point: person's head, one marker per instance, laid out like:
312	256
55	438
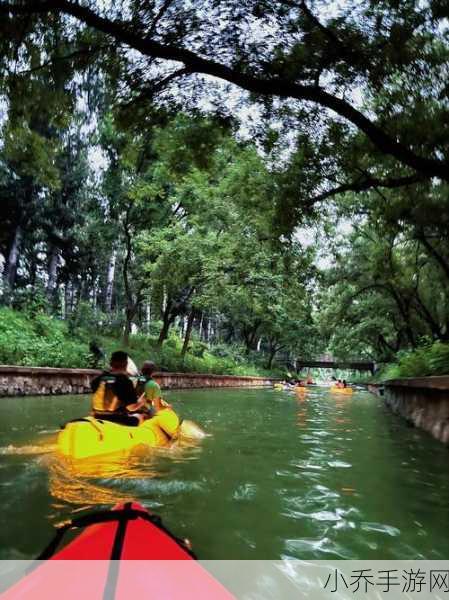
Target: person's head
148	368
119	361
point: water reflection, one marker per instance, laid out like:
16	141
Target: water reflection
115	477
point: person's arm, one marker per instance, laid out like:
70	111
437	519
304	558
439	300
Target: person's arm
157	405
138	405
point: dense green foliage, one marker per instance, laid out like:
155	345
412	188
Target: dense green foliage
144	197
430	359
41	340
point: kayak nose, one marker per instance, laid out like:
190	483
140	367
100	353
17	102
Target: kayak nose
132	505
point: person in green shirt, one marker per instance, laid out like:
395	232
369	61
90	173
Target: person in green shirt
151	395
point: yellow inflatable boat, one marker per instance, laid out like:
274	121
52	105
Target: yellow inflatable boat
338	390
279	387
86	437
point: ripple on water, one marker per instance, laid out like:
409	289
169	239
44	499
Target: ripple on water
339	464
30	449
305	464
316	548
311	476
156	486
246	491
326	516
380	528
320	493
321	515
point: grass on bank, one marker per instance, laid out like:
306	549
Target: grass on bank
42	340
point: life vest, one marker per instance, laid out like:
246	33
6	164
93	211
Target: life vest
104	397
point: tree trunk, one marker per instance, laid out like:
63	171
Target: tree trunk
200	327
110	282
435	255
94	294
273	350
148	316
33	271
271	356
250	336
246	339
188	333
73	296
131	310
205	331
67	301
230	333
167	320
52	272
210	331
129	315
13	258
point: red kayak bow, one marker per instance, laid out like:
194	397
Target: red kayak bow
122	553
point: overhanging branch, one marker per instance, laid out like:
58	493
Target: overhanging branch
364	185
282	88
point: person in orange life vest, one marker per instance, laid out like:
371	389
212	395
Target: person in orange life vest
114	396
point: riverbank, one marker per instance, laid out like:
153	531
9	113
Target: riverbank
41	381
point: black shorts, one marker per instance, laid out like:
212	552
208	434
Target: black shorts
119	418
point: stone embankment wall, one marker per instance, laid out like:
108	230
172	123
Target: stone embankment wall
375	388
424	401
38	381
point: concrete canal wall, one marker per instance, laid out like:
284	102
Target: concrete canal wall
423	401
38	381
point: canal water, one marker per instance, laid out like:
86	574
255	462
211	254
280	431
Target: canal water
317	476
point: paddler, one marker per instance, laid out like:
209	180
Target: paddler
114	396
152	405
150	392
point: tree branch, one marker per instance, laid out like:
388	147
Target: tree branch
282	88
325	30
54	59
433	252
163	9
148	92
363	185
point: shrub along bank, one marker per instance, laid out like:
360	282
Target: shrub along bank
429	359
38	339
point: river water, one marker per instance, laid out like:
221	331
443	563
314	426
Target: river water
315	477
